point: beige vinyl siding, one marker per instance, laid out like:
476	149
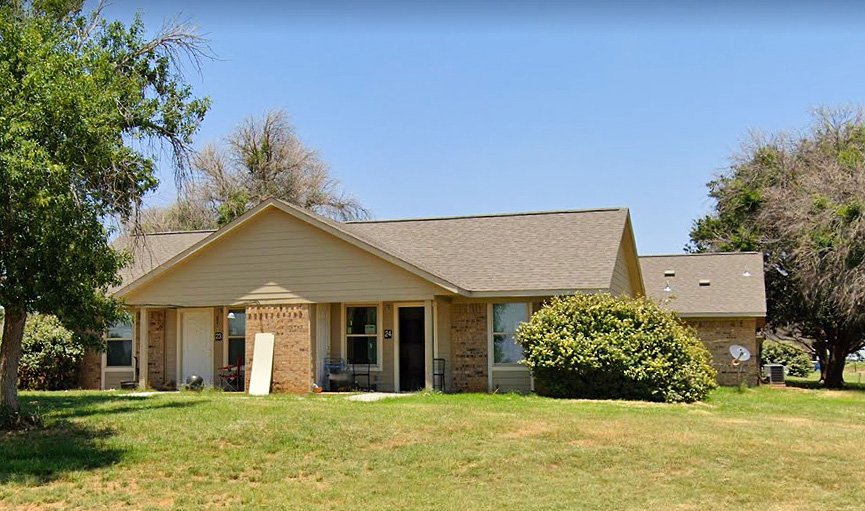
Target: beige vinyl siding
626	273
627	279
171	345
384	379
113	378
336	331
621	284
512	380
218	354
276	258
443	336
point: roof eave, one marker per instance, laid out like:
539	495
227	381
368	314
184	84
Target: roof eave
721	314
518	293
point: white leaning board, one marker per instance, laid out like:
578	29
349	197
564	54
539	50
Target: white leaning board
262	365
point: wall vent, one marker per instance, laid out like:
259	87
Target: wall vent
705	282
669	273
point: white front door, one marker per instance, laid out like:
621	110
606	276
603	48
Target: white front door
197	341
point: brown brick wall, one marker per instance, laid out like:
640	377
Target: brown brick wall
90	372
156	351
718	335
468	338
292	348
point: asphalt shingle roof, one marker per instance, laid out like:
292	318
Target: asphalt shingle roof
561	250
151	250
515	252
736	285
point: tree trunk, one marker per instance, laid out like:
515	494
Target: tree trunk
822	357
834	375
10	355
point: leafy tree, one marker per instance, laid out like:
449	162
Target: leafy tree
85	104
262	158
800	200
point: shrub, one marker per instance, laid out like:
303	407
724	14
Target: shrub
606	347
794	358
51	355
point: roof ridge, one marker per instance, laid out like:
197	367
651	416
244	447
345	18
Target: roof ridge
751	252
487	215
193	231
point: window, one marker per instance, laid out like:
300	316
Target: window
506	317
237	337
361	332
118	342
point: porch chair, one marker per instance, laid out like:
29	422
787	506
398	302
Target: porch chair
230	377
361	371
439	374
337	374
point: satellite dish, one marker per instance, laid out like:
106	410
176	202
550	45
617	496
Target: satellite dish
740	353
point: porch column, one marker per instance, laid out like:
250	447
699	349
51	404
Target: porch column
178	347
428	343
143	347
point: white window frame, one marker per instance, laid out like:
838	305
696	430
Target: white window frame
227	336
118	369
493	365
379	344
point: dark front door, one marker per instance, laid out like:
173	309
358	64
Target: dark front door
411	348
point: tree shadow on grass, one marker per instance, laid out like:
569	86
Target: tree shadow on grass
811	384
132	407
40	456
59	406
48	401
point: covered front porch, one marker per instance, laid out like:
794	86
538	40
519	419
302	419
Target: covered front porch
387	346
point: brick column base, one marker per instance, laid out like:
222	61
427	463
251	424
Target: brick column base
292	346
156	352
469	347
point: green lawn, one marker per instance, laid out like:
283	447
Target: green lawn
854	377
768	449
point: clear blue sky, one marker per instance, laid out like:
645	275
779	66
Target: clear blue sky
450	108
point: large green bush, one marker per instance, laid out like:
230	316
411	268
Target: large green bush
51	355
794	358
606	347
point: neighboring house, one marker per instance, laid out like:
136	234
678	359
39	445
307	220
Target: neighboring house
395	294
722	296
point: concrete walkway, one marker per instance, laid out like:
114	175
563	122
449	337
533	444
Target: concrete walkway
369	397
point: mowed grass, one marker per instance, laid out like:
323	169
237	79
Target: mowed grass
768	449
854	378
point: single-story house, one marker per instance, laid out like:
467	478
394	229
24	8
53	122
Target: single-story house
423	303
722	296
